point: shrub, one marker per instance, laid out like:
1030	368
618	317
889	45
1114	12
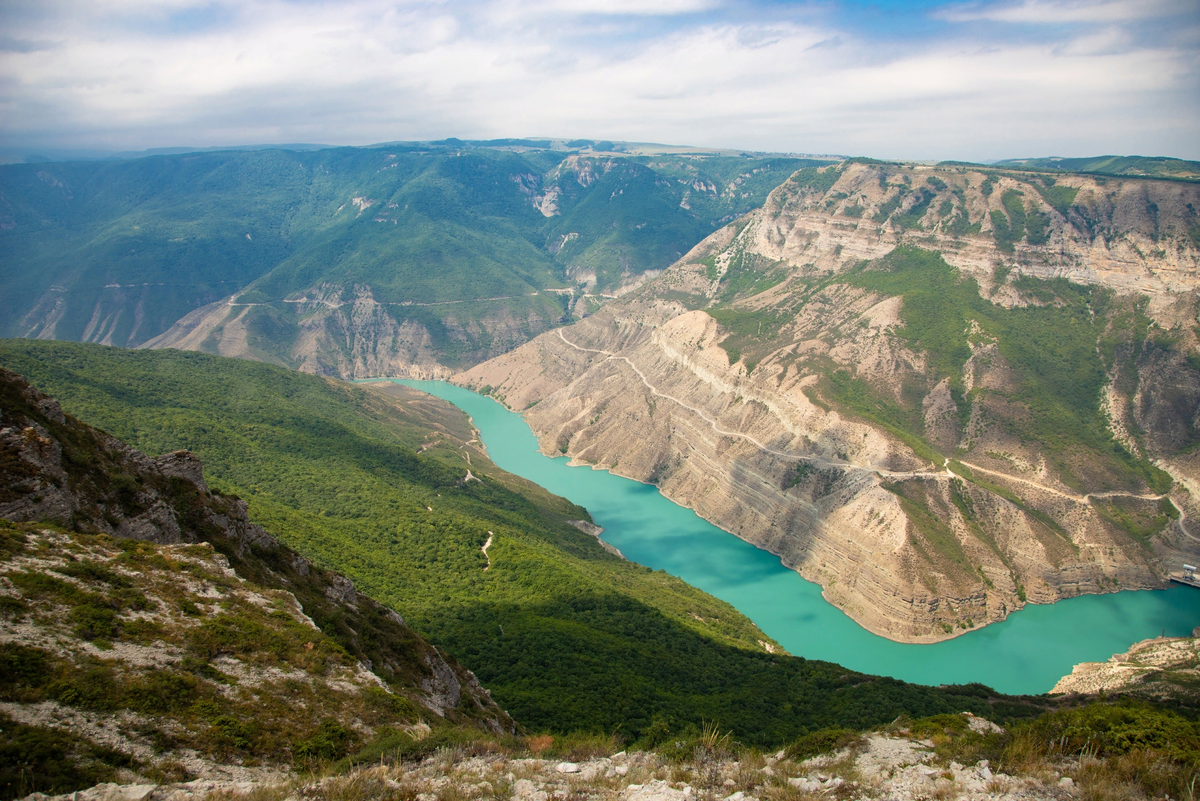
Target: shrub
92	571
331	741
163	692
23	672
392	747
1120	748
94	688
823	741
94	622
35	759
229	733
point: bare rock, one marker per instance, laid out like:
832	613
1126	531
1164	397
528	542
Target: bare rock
341	590
182	464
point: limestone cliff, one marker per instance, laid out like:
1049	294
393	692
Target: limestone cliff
882	378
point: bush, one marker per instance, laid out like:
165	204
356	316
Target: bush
1105	730
95	622
1120	748
391	747
163	692
23	672
823	741
35	759
94	688
331	741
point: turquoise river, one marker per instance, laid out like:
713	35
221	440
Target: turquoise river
1025	654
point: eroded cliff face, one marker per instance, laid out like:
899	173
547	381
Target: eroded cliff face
936	442
345	332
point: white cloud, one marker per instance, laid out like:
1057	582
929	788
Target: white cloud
356	73
618	7
1068	11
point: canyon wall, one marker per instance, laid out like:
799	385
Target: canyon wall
883	378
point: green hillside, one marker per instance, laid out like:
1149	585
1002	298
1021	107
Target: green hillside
117	252
1148	166
564	634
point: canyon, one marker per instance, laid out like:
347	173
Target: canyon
939	392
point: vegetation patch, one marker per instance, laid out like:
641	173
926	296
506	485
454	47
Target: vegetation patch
35	759
1051	347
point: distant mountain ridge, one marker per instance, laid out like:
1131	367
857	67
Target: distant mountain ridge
404	259
1141	166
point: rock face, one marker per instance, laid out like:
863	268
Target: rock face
343	331
918	434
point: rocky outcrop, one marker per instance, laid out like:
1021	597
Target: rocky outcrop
1159	668
344	331
764	383
1127	234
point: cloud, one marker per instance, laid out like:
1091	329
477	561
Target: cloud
680	71
1068	11
9	44
620	7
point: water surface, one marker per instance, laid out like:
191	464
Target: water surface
1027	653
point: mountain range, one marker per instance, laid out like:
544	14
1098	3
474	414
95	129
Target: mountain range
412	259
949	390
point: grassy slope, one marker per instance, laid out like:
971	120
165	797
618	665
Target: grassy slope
1052	349
565	635
1150	166
1056	347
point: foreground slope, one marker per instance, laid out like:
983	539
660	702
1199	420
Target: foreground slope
407	259
1130	752
148	629
938	392
564	634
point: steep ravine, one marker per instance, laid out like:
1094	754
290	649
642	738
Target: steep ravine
931	485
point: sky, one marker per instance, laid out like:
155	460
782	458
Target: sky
920	80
